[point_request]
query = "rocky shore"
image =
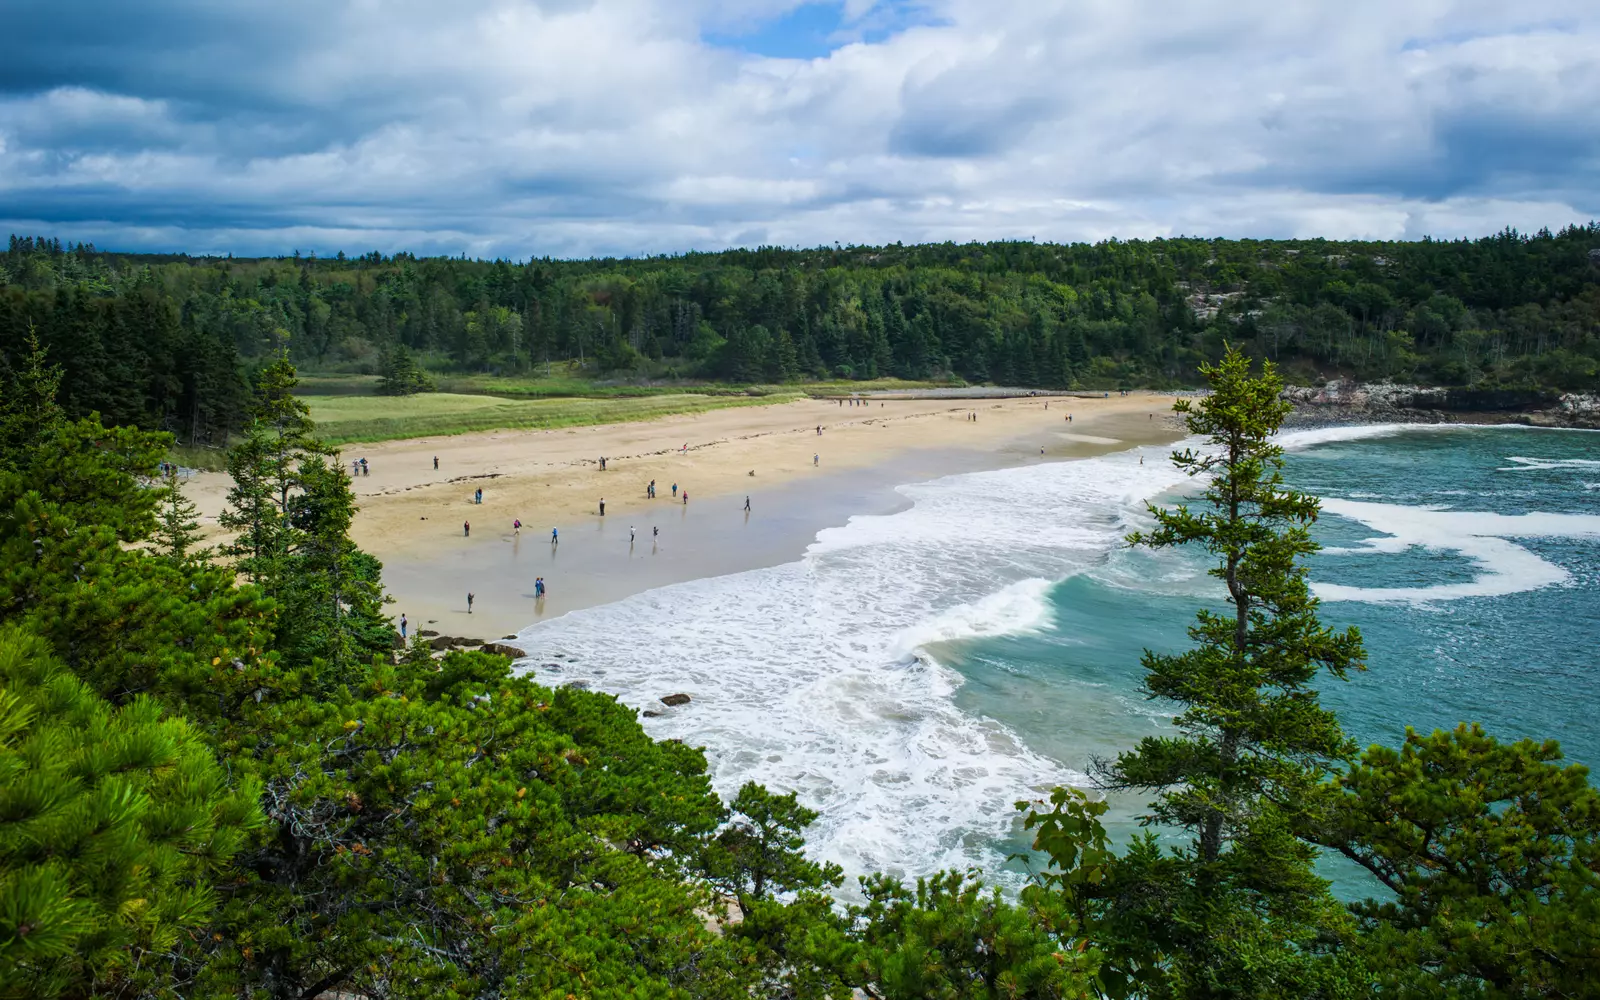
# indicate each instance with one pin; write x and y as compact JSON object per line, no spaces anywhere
{"x":1343,"y":402}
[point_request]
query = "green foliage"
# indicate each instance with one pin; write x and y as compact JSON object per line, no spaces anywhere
{"x":291,"y":506}
{"x":1252,"y":742}
{"x":757,"y":854}
{"x":953,"y":939}
{"x":177,"y":519}
{"x":458,"y":832}
{"x":1251,"y":727}
{"x":1491,"y":854}
{"x":113,"y":822}
{"x":158,"y":341}
{"x":401,"y":376}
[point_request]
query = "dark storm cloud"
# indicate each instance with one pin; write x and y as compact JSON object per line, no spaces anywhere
{"x":577,"y":126}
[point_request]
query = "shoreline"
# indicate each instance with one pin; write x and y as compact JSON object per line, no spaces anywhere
{"x":411,"y":516}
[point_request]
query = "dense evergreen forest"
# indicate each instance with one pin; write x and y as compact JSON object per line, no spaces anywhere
{"x":166,"y":342}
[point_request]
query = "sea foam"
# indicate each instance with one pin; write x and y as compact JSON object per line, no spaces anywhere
{"x":822,"y":676}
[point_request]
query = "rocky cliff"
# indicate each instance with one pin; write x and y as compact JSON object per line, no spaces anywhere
{"x":1382,"y":402}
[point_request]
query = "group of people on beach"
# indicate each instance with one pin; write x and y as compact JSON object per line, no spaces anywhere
{"x":358,"y":468}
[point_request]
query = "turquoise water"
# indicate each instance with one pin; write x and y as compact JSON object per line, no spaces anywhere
{"x":916,"y":673}
{"x":1469,"y":559}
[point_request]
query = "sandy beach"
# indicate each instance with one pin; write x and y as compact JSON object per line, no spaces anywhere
{"x":412,"y":515}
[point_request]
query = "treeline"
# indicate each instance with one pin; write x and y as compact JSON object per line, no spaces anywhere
{"x":161,"y":340}
{"x":222,"y":775}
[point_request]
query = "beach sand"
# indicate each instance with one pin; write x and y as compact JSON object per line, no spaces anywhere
{"x":411,"y":515}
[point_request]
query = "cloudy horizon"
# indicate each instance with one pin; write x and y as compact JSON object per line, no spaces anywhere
{"x":588,"y":127}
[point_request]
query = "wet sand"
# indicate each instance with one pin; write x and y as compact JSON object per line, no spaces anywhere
{"x":595,"y":563}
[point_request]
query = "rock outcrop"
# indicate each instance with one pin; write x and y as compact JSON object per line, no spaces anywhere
{"x":1345,"y":401}
{"x":674,"y":700}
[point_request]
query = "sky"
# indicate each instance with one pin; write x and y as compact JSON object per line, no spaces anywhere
{"x":518,"y":128}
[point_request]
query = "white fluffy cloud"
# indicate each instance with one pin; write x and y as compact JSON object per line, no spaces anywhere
{"x":508,"y":127}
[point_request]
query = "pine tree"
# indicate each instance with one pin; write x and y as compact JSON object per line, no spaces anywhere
{"x":114,"y":823}
{"x":1490,"y":853}
{"x":177,"y":518}
{"x":401,"y":376}
{"x":1252,"y":743}
{"x":28,"y":407}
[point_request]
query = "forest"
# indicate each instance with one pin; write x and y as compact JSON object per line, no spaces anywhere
{"x":169,"y":342}
{"x":223,"y":775}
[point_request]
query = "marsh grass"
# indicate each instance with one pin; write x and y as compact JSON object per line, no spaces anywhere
{"x":350,"y":419}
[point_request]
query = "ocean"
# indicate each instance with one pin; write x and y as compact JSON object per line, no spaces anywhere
{"x":916,"y":673}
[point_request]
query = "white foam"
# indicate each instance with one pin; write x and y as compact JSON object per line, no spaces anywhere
{"x":1503,"y":566}
{"x":1537,"y":464}
{"x":813,"y":676}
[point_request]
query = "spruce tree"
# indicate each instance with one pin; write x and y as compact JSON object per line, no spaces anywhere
{"x":1251,"y":742}
{"x":177,"y":520}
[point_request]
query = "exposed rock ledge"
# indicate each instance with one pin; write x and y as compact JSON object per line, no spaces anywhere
{"x":1385,"y":402}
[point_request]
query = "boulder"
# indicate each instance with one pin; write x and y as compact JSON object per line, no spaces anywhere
{"x":501,"y":649}
{"x":650,"y":714}
{"x":463,"y":641}
{"x":441,"y":642}
{"x":427,"y":633}
{"x":674,"y":700}
{"x":579,"y":685}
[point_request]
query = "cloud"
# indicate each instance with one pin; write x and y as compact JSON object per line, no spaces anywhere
{"x":508,"y":127}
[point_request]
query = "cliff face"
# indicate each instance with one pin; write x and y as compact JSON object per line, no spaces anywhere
{"x":1382,"y":402}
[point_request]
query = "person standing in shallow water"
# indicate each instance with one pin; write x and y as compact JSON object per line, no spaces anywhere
{"x":436,"y":463}
{"x":554,"y":537}
{"x":602,"y":506}
{"x":466,"y":529}
{"x":470,"y":598}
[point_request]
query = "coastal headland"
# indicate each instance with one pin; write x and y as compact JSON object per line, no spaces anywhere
{"x":414,"y":517}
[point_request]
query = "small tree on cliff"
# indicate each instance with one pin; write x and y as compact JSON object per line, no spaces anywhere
{"x":1251,"y":742}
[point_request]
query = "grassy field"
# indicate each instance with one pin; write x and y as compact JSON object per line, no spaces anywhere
{"x":565,"y":385}
{"x":343,"y":419}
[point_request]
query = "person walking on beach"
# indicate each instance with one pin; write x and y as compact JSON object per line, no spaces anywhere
{"x":655,"y":532}
{"x":747,"y":505}
{"x":516,"y":527}
{"x":466,"y":529}
{"x":816,"y":460}
{"x":365,"y":470}
{"x":470,"y":598}
{"x":686,"y":498}
{"x":602,"y":506}
{"x":436,"y":463}
{"x":477,"y":497}
{"x":555,"y":539}
{"x":630,"y":534}
{"x":538,"y":588}
{"x":674,"y":491}
{"x":819,"y":430}
{"x":402,"y":625}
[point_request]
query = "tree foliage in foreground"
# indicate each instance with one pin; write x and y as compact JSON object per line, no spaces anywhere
{"x":1490,"y":853}
{"x":112,"y":823}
